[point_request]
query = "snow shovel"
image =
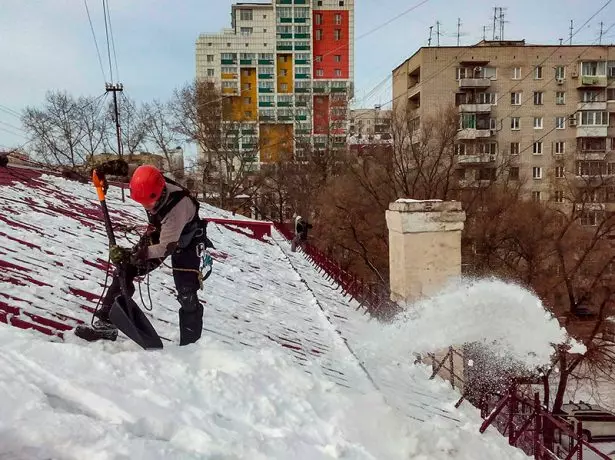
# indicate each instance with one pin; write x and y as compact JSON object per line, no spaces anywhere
{"x":125,"y":314}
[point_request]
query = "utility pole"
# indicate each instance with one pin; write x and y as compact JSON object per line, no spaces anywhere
{"x":601,"y":32}
{"x":438,"y":32}
{"x":115,"y":88}
{"x":571,"y":29}
{"x":484,"y":33}
{"x":495,"y":18}
{"x":430,"y":30}
{"x":458,"y":30}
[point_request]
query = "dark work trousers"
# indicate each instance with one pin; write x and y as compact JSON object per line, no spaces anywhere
{"x":186,"y":283}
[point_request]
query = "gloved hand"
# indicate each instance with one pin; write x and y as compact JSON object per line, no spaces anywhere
{"x":119,"y":255}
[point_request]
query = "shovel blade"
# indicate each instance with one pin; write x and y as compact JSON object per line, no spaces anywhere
{"x":129,"y":319}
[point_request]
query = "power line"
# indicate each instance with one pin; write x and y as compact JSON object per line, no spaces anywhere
{"x":117,"y":71}
{"x":95,"y":41}
{"x":104,"y":5}
{"x":10,"y":111}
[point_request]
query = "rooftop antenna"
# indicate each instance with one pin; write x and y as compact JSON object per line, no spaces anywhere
{"x":601,"y":32}
{"x":495,"y":18}
{"x":571,"y":29}
{"x":429,"y":41}
{"x":502,"y":22}
{"x":458,"y":30}
{"x":484,"y":33}
{"x":561,"y":41}
{"x":438,"y":32}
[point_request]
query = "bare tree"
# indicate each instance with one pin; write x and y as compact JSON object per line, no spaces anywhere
{"x":132,"y":126}
{"x":65,"y":131}
{"x":160,"y":132}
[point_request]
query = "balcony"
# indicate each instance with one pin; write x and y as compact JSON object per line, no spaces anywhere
{"x":592,"y":81}
{"x":590,"y":155}
{"x":473,"y":133}
{"x":597,"y":105}
{"x":475,"y":108}
{"x":592,"y":131}
{"x":476,"y":159}
{"x":474,"y":82}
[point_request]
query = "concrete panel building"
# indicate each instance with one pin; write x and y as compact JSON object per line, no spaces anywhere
{"x":287,"y":68}
{"x":546,"y":112}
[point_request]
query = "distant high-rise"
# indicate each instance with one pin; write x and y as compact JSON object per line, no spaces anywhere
{"x":287,"y":70}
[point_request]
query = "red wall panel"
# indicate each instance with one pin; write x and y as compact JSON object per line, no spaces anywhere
{"x":328,"y":47}
{"x":321,"y":115}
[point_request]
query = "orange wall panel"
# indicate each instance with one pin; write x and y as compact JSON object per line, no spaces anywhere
{"x":284,"y":63}
{"x":275,"y":142}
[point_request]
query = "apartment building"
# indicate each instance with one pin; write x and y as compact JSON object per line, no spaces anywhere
{"x":544,"y":114}
{"x":286,"y":70}
{"x":374,"y":123}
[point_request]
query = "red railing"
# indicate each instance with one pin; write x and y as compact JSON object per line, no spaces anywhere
{"x":533,"y":429}
{"x":375,"y":299}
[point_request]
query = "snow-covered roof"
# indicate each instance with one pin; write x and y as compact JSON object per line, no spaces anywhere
{"x":283,"y":370}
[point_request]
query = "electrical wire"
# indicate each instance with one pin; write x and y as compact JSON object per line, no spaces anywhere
{"x":104,"y":6}
{"x":102,"y":69}
{"x":117,"y":71}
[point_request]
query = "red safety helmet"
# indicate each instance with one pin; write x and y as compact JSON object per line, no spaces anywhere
{"x":147,"y":185}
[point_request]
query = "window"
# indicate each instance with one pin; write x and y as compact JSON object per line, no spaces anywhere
{"x":610,"y":94}
{"x":514,"y":148}
{"x":337,"y":34}
{"x":247,"y":100}
{"x":558,"y":196}
{"x":537,"y":122}
{"x":229,"y":70}
{"x":248,"y":114}
{"x":460,"y":149}
{"x":247,"y":72}
{"x":593,"y":69}
{"x":560,"y":97}
{"x":537,"y":148}
{"x":284,"y":86}
{"x":318,"y":34}
{"x":338,"y":19}
{"x":341,"y":3}
{"x":560,"y":147}
{"x":536,"y":195}
{"x":338,"y":73}
{"x":210,"y":58}
{"x":210,"y":72}
{"x":560,"y":72}
{"x":559,"y":172}
{"x":538,"y":97}
{"x":247,"y":86}
{"x":537,"y":172}
{"x":246,"y":31}
{"x":538,"y":72}
{"x":594,"y":118}
{"x":592,"y":96}
{"x":318,"y":19}
{"x":513,"y":173}
{"x":245,"y":15}
{"x":283,"y":72}
{"x":560,"y":122}
{"x":338,"y":58}
{"x":320,"y":72}
{"x":515,"y":123}
{"x":515,"y":98}
{"x":318,"y":58}
{"x":486,"y":98}
{"x":516,"y":73}
{"x":468,"y":121}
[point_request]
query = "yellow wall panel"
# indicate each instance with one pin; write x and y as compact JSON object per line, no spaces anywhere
{"x":275,"y":142}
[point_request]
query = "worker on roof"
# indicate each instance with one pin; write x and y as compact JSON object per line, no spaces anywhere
{"x":175,"y":230}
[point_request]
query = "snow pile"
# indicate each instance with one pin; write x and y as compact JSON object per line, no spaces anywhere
{"x":74,"y":401}
{"x":508,"y":319}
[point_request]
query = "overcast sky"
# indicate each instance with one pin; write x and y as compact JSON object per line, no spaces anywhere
{"x":47,"y":44}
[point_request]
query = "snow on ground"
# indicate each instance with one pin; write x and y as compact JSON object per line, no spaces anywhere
{"x":282,"y":370}
{"x":207,"y":401}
